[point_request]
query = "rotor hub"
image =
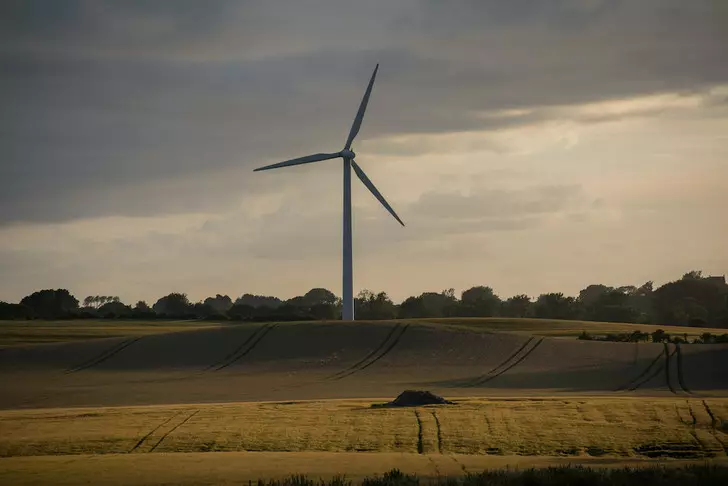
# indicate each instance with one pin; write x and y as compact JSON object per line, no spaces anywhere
{"x":347,"y":154}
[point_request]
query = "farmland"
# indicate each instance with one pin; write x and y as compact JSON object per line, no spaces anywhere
{"x":18,"y":333}
{"x":524,"y":390}
{"x":578,"y":426}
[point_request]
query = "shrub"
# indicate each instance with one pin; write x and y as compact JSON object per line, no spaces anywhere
{"x":703,"y":475}
{"x":585,"y":336}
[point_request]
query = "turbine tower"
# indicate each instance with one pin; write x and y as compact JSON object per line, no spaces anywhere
{"x":348,"y":155}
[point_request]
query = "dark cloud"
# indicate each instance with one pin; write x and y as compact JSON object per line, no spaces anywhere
{"x":114,"y":107}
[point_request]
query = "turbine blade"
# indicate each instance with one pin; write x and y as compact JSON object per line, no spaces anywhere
{"x":363,"y":177}
{"x":362,"y":108}
{"x":301,"y":160}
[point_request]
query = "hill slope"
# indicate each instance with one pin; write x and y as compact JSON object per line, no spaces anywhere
{"x":251,"y":362}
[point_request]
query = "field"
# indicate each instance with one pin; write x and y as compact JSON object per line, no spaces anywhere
{"x":561,"y":328}
{"x":587,"y":426}
{"x":297,"y":397}
{"x":18,"y":333}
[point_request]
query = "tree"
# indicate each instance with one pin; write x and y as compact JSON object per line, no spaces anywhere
{"x":660,"y":336}
{"x":556,"y":306}
{"x":258,"y":301}
{"x":142,"y":311}
{"x":610,"y":305}
{"x":15,"y":311}
{"x":592,"y":293}
{"x":517,"y":306}
{"x":479,"y":302}
{"x":203,"y":310}
{"x":318,"y":296}
{"x":429,"y":304}
{"x":142,"y":306}
{"x":244,"y":312}
{"x":692,"y":301}
{"x":220,"y":303}
{"x":51,"y":304}
{"x":173,"y":305}
{"x":114,"y":309}
{"x":370,"y":306}
{"x":693,"y":275}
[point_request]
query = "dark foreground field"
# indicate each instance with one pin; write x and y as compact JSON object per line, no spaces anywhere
{"x":185,"y":398}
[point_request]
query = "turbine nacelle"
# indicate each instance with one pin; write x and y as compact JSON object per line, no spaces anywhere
{"x":347,"y":154}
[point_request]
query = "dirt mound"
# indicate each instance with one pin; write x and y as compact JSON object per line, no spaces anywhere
{"x":414,"y":398}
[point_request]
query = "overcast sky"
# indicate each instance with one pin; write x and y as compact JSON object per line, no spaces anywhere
{"x":528,"y":146}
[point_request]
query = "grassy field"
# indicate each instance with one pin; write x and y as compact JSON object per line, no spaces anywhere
{"x":576,"y":427}
{"x":13,"y":333}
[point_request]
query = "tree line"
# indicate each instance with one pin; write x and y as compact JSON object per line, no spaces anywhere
{"x":693,"y":300}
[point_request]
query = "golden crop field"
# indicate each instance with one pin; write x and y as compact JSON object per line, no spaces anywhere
{"x":588,"y":426}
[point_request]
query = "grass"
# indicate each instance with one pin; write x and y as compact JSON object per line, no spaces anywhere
{"x":561,"y":476}
{"x":574,"y":427}
{"x":15,"y":333}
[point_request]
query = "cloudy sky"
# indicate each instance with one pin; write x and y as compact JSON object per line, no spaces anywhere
{"x":529,"y":146}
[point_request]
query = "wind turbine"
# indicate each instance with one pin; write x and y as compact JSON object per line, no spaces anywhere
{"x":348,"y":155}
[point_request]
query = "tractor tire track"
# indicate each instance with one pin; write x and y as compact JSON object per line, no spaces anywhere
{"x":713,"y":420}
{"x":692,"y":413}
{"x":714,"y":427}
{"x":627,"y":385}
{"x":241,"y":347}
{"x":462,"y":466}
{"x":477,"y":379}
{"x":710,"y":450}
{"x":386,"y":351}
{"x":113,"y":351}
{"x":173,"y":429}
{"x":511,"y":366}
{"x":141,"y":441}
{"x":508,"y":359}
{"x":680,"y":376}
{"x":439,"y":431}
{"x":668,"y":357}
{"x":420,"y":443}
{"x":391,"y":346}
{"x":657,"y":371}
{"x":371,"y":353}
{"x":253,"y":340}
{"x":663,"y":367}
